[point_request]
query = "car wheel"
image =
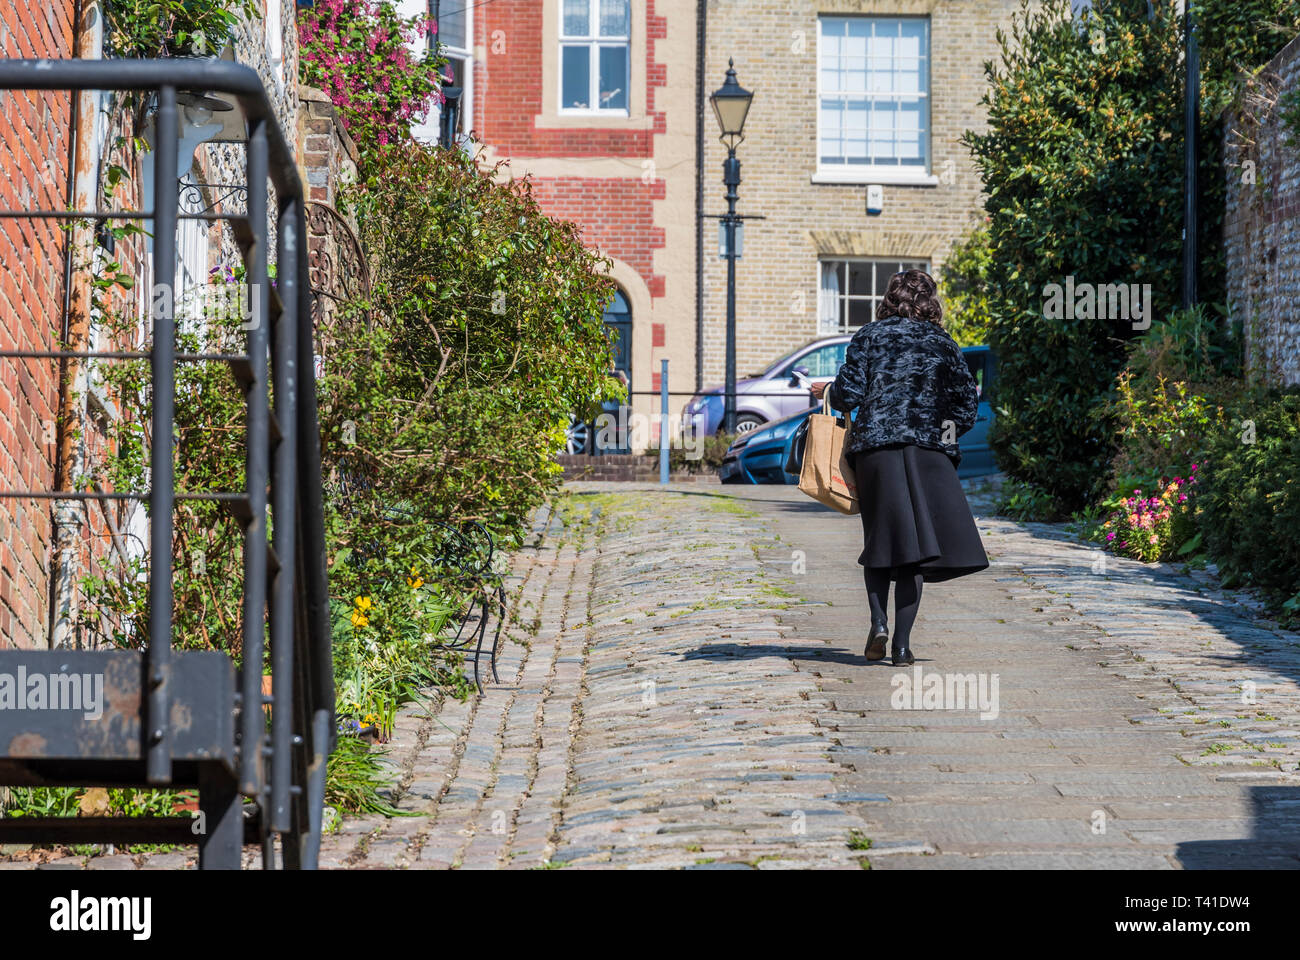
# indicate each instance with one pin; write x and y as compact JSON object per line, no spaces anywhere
{"x":577,"y":436}
{"x":746,"y":422}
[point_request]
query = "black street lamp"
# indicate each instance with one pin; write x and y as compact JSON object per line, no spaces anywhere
{"x":1191,"y":144}
{"x":448,"y":117}
{"x":731,"y":104}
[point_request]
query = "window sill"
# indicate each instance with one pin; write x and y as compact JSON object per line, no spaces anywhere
{"x":589,"y":121}
{"x":898,"y":178}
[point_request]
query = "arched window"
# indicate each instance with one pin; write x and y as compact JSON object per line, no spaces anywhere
{"x":618,"y":327}
{"x":618,"y":320}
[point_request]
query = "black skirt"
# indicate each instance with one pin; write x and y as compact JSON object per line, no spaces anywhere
{"x":914,"y":511}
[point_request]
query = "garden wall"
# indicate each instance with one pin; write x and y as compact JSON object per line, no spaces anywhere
{"x":629,"y":468}
{"x":1262,"y":221}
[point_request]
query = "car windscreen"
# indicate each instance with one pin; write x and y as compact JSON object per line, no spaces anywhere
{"x":772,"y":369}
{"x":983,"y":370}
{"x":822,"y":360}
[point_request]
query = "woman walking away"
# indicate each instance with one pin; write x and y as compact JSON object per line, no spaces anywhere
{"x":906,"y":383}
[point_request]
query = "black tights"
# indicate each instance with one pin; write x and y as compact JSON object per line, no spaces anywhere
{"x":907,"y":598}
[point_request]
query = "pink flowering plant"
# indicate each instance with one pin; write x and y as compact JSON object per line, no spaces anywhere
{"x":357,"y":52}
{"x":1153,"y":527}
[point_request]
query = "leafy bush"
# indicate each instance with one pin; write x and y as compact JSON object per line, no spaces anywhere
{"x":1082,"y":177}
{"x":1164,"y":427}
{"x":168,"y":28}
{"x":492,"y":334}
{"x":1154,"y":527}
{"x":1024,"y":501}
{"x":964,"y":285}
{"x":1250,"y":502}
{"x":1082,"y":165}
{"x":712,"y":451}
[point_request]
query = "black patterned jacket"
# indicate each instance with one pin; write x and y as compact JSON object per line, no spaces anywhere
{"x":909,"y":383}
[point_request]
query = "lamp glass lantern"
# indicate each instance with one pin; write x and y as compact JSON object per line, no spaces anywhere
{"x":731,"y":105}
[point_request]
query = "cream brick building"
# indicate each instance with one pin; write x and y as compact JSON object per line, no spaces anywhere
{"x":847,"y":94}
{"x":604,"y":103}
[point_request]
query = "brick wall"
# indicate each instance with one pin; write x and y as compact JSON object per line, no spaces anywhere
{"x":626,"y":468}
{"x":1262,"y":223}
{"x":326,"y":154}
{"x":33,"y":172}
{"x":616,"y":215}
{"x":627,"y":181}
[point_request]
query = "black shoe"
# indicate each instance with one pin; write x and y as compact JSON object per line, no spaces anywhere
{"x":876,"y":642}
{"x":902,"y":654}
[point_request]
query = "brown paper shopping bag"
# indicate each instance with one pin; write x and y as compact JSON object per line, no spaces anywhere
{"x":826,"y":475}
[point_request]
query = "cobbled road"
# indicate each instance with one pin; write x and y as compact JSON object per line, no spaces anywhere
{"x":695,"y":696}
{"x":690,"y":692}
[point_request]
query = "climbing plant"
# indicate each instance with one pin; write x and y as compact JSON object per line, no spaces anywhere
{"x":170,"y":28}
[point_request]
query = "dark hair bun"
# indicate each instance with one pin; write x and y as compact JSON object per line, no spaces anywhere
{"x":913,"y":294}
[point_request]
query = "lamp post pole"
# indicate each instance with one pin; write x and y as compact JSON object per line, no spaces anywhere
{"x":731,"y":105}
{"x":731,"y":177}
{"x":1191,"y":139}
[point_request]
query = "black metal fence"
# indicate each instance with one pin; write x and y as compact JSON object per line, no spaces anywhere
{"x":173,"y":718}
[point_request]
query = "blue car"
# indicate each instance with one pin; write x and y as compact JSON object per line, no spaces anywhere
{"x":762,"y":454}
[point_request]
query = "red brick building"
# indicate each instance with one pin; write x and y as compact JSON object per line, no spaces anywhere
{"x":595,"y":100}
{"x":34,"y":163}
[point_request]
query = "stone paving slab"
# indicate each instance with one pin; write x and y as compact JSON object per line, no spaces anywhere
{"x":1122,"y":737}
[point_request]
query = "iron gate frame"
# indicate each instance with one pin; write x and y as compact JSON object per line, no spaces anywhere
{"x":178,"y":719}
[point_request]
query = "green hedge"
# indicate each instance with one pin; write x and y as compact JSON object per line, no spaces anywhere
{"x":1083,"y":179}
{"x":1250,"y":498}
{"x":1082,"y":167}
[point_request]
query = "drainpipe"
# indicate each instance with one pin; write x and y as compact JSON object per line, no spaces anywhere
{"x":83,"y":176}
{"x":701,"y":27}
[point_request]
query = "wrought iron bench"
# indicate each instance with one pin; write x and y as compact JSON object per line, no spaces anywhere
{"x":476,"y":567}
{"x":465,"y":560}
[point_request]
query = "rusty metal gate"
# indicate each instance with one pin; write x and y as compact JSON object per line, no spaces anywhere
{"x":178,"y":718}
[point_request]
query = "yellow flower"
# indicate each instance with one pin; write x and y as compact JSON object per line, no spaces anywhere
{"x":414,"y":581}
{"x":362,"y":603}
{"x":359,"y":619}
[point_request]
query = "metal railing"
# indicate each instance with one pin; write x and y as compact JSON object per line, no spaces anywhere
{"x":180,"y":719}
